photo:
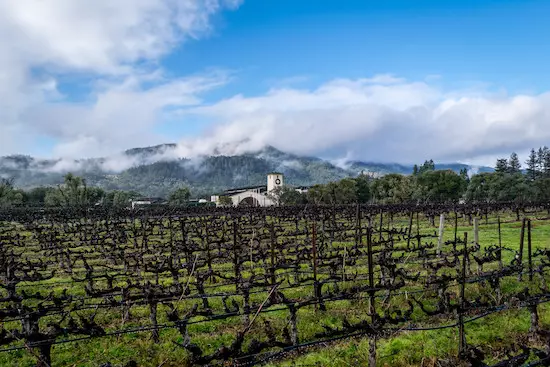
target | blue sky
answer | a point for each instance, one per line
(500, 42)
(378, 80)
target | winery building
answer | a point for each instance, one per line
(252, 195)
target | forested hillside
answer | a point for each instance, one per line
(183, 179)
(156, 171)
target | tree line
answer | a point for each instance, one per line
(426, 184)
(508, 182)
(75, 192)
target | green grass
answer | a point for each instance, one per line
(493, 334)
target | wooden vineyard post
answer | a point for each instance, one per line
(333, 226)
(153, 305)
(359, 231)
(476, 242)
(273, 243)
(372, 309)
(314, 250)
(171, 234)
(440, 236)
(188, 254)
(381, 225)
(417, 230)
(529, 250)
(314, 256)
(410, 230)
(236, 259)
(534, 328)
(476, 231)
(358, 228)
(456, 227)
(461, 335)
(533, 305)
(206, 241)
(499, 244)
(344, 265)
(371, 265)
(521, 240)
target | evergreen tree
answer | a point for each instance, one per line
(545, 166)
(427, 166)
(363, 188)
(502, 165)
(440, 186)
(464, 174)
(540, 161)
(415, 170)
(513, 164)
(532, 165)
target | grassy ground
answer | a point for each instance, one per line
(493, 334)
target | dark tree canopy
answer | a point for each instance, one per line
(532, 165)
(502, 165)
(514, 166)
(180, 196)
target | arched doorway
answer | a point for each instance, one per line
(249, 201)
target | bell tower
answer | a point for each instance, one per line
(274, 180)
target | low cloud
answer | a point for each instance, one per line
(123, 115)
(290, 164)
(343, 162)
(377, 119)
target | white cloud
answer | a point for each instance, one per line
(383, 79)
(111, 48)
(378, 119)
(101, 35)
(123, 113)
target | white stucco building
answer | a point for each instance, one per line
(253, 195)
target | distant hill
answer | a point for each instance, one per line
(157, 170)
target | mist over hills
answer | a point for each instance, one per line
(157, 170)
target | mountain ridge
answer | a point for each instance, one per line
(157, 170)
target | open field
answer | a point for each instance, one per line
(285, 286)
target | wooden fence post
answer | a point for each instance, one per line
(410, 230)
(499, 245)
(344, 265)
(314, 255)
(476, 232)
(381, 224)
(417, 230)
(456, 227)
(476, 242)
(521, 240)
(529, 250)
(372, 309)
(440, 237)
(461, 334)
(236, 256)
(358, 228)
(273, 242)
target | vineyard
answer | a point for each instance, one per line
(268, 286)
